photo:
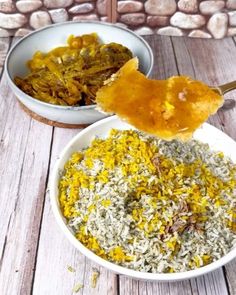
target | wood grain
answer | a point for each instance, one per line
(211, 284)
(24, 157)
(4, 47)
(133, 287)
(164, 58)
(50, 122)
(230, 270)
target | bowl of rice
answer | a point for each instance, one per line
(144, 207)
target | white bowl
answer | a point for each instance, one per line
(216, 139)
(56, 35)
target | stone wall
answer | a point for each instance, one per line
(204, 19)
(17, 18)
(194, 18)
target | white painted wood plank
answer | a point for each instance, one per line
(129, 286)
(24, 157)
(4, 47)
(213, 62)
(230, 272)
(182, 287)
(164, 59)
(211, 284)
(215, 283)
(198, 286)
(57, 253)
(106, 284)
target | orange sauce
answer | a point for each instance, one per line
(172, 108)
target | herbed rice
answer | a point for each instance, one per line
(151, 205)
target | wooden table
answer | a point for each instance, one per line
(34, 254)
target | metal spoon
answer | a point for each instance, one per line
(222, 89)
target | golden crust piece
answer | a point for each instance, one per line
(172, 108)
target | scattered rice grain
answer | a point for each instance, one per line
(94, 277)
(70, 268)
(77, 288)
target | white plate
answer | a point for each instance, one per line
(216, 139)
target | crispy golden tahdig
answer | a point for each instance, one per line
(172, 108)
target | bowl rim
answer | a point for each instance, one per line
(48, 27)
(61, 221)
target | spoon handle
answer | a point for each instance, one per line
(227, 87)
